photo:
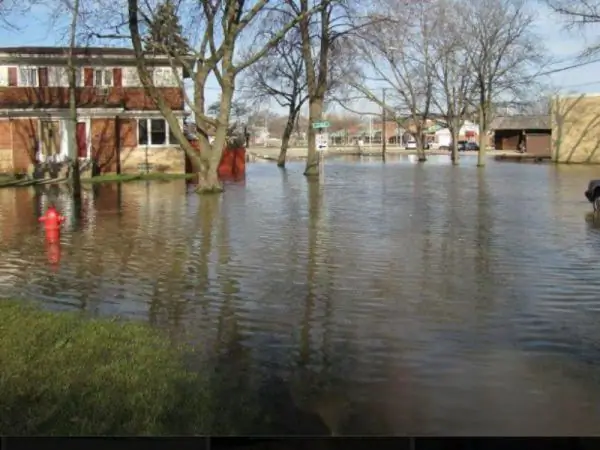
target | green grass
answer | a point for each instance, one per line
(62, 374)
(113, 177)
(4, 178)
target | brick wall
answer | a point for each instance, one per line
(104, 144)
(163, 159)
(6, 158)
(25, 137)
(58, 97)
(576, 129)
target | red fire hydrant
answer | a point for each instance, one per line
(52, 221)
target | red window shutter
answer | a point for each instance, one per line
(88, 77)
(43, 76)
(12, 76)
(118, 77)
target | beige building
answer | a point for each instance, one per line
(576, 128)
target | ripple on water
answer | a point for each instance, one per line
(422, 292)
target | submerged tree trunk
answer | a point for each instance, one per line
(315, 113)
(73, 145)
(287, 133)
(421, 156)
(483, 126)
(454, 134)
(211, 154)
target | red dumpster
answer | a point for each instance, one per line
(232, 165)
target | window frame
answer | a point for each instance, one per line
(104, 70)
(33, 69)
(149, 144)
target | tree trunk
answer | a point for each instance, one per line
(208, 178)
(287, 133)
(421, 157)
(454, 133)
(73, 153)
(482, 135)
(315, 113)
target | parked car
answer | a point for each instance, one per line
(464, 146)
(411, 145)
(593, 194)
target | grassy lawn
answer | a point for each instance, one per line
(5, 178)
(62, 374)
(113, 177)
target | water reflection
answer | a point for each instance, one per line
(397, 298)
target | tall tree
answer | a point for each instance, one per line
(281, 76)
(72, 77)
(398, 56)
(503, 52)
(579, 13)
(165, 33)
(454, 79)
(222, 24)
(321, 35)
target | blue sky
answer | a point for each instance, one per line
(34, 30)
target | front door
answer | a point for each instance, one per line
(50, 137)
(81, 140)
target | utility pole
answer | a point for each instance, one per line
(383, 126)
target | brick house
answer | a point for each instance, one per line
(118, 125)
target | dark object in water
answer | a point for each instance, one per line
(593, 194)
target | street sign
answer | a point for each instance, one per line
(322, 141)
(323, 124)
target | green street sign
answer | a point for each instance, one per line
(323, 124)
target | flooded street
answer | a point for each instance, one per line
(390, 298)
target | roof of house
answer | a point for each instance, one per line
(539, 122)
(113, 51)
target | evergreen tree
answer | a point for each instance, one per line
(165, 33)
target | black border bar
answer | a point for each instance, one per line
(299, 443)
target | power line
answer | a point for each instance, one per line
(572, 66)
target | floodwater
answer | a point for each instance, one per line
(390, 298)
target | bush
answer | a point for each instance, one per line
(61, 374)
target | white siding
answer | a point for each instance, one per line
(130, 77)
(164, 77)
(57, 76)
(3, 76)
(67, 133)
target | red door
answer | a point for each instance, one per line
(81, 140)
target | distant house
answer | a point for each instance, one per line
(469, 131)
(530, 132)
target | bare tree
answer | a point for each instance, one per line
(281, 76)
(216, 51)
(321, 35)
(503, 52)
(72, 78)
(399, 55)
(455, 82)
(10, 9)
(580, 14)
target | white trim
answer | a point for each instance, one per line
(62, 55)
(141, 114)
(27, 67)
(576, 95)
(103, 69)
(53, 113)
(167, 143)
(88, 136)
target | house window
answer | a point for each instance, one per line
(103, 77)
(28, 76)
(155, 132)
